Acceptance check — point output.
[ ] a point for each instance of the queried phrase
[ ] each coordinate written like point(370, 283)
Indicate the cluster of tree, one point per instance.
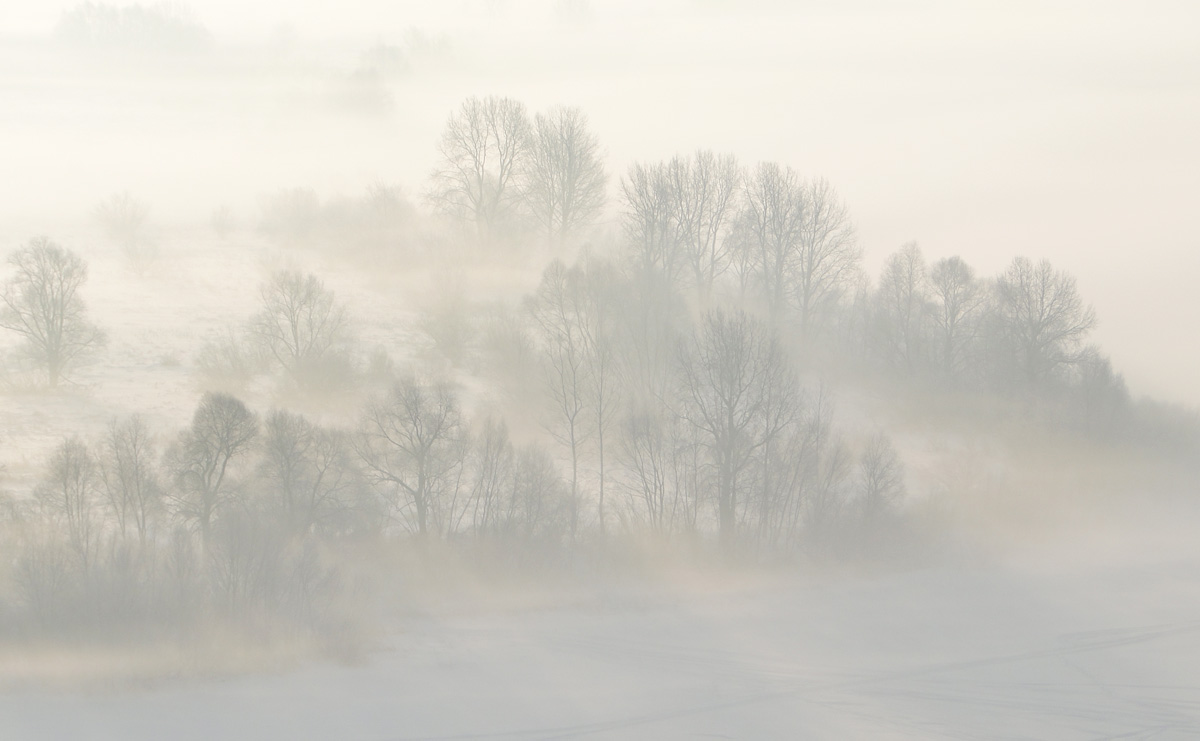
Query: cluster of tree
point(1027, 328)
point(381, 218)
point(160, 27)
point(237, 516)
point(501, 172)
point(697, 425)
point(767, 240)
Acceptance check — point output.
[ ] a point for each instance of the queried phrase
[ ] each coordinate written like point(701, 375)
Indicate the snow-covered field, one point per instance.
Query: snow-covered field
point(1091, 638)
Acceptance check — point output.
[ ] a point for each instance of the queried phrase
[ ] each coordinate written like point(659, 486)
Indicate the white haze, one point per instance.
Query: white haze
point(1039, 582)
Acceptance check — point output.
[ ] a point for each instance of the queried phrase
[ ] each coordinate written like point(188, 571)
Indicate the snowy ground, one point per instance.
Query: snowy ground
point(1049, 646)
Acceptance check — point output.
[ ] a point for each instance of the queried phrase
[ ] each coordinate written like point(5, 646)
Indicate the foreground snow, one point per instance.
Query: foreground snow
point(1106, 648)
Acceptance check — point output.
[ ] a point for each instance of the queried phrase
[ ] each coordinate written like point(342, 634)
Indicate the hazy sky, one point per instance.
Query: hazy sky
point(1065, 130)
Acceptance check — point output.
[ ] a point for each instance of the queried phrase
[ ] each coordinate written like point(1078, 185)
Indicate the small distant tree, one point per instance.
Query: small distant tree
point(124, 219)
point(41, 302)
point(301, 326)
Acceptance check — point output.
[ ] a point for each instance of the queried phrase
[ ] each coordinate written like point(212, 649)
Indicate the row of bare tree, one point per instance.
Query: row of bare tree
point(499, 167)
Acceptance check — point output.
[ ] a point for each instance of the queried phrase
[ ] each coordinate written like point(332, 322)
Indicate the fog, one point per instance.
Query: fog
point(607, 367)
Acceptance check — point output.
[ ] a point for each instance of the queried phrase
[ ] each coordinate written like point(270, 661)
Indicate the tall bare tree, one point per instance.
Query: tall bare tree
point(491, 462)
point(41, 302)
point(412, 444)
point(129, 475)
point(599, 331)
point(557, 310)
point(739, 393)
point(481, 150)
point(70, 494)
point(562, 174)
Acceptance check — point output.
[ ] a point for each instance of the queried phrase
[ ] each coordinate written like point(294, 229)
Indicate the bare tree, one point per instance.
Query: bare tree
point(958, 299)
point(412, 444)
point(663, 470)
point(651, 221)
point(1043, 317)
point(306, 472)
point(828, 254)
point(562, 177)
point(222, 432)
point(481, 151)
point(536, 509)
point(129, 476)
point(302, 327)
point(652, 317)
point(771, 222)
point(41, 302)
point(881, 477)
point(557, 310)
point(739, 394)
point(599, 331)
point(70, 495)
point(706, 189)
point(902, 303)
point(491, 463)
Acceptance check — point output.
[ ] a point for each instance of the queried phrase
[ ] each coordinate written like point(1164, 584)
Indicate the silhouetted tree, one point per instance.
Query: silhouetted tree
point(222, 432)
point(306, 473)
point(412, 444)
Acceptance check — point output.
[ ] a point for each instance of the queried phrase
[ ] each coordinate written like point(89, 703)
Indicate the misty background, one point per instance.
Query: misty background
point(353, 425)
